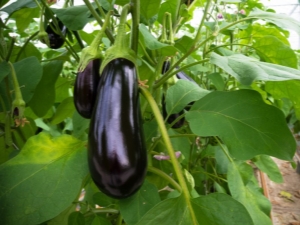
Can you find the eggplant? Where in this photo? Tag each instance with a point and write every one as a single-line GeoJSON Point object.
{"type": "Point", "coordinates": [85, 88]}
{"type": "Point", "coordinates": [117, 155]}
{"type": "Point", "coordinates": [55, 40]}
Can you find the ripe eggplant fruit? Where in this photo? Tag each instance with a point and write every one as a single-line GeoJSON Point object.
{"type": "Point", "coordinates": [55, 40]}
{"type": "Point", "coordinates": [117, 155]}
{"type": "Point", "coordinates": [85, 88]}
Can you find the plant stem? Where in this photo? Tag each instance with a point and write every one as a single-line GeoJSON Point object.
{"type": "Point", "coordinates": [171, 152]}
{"type": "Point", "coordinates": [97, 17]}
{"type": "Point", "coordinates": [119, 220]}
{"type": "Point", "coordinates": [11, 47]}
{"type": "Point", "coordinates": [25, 44]}
{"type": "Point", "coordinates": [98, 39]}
{"type": "Point", "coordinates": [18, 93]}
{"type": "Point", "coordinates": [224, 150]}
{"type": "Point", "coordinates": [78, 38]}
{"type": "Point", "coordinates": [101, 210]}
{"type": "Point", "coordinates": [146, 54]}
{"type": "Point", "coordinates": [120, 38]}
{"type": "Point", "coordinates": [170, 74]}
{"type": "Point", "coordinates": [166, 177]}
{"type": "Point", "coordinates": [135, 13]}
{"type": "Point", "coordinates": [100, 8]}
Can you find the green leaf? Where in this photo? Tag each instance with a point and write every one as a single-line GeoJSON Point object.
{"type": "Point", "coordinates": [80, 125]}
{"type": "Point", "coordinates": [76, 218]}
{"type": "Point", "coordinates": [29, 73]}
{"type": "Point", "coordinates": [4, 70]}
{"type": "Point", "coordinates": [73, 17]}
{"type": "Point", "coordinates": [281, 20]}
{"type": "Point", "coordinates": [24, 17]}
{"type": "Point", "coordinates": [153, 44]}
{"type": "Point", "coordinates": [272, 50]}
{"type": "Point", "coordinates": [63, 217]}
{"type": "Point", "coordinates": [286, 89]}
{"type": "Point", "coordinates": [233, 1]}
{"type": "Point", "coordinates": [170, 211]}
{"type": "Point", "coordinates": [64, 110]}
{"type": "Point", "coordinates": [258, 31]}
{"type": "Point", "coordinates": [102, 199]}
{"type": "Point", "coordinates": [42, 180]}
{"type": "Point", "coordinates": [100, 221]}
{"type": "Point", "coordinates": [268, 166]}
{"type": "Point", "coordinates": [217, 80]}
{"type": "Point", "coordinates": [44, 95]}
{"type": "Point", "coordinates": [29, 51]}
{"type": "Point", "coordinates": [19, 5]}
{"type": "Point", "coordinates": [181, 94]}
{"type": "Point", "coordinates": [249, 195]}
{"type": "Point", "coordinates": [220, 209]}
{"type": "Point", "coordinates": [246, 69]}
{"type": "Point", "coordinates": [184, 44]}
{"type": "Point", "coordinates": [149, 8]}
{"type": "Point", "coordinates": [247, 125]}
{"type": "Point", "coordinates": [134, 207]}
{"type": "Point", "coordinates": [62, 87]}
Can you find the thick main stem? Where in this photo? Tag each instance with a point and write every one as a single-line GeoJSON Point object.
{"type": "Point", "coordinates": [135, 12]}
{"type": "Point", "coordinates": [171, 152]}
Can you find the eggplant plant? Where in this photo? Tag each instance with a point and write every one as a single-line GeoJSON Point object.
{"type": "Point", "coordinates": [144, 112]}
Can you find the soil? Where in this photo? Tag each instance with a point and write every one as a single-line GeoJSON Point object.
{"type": "Point", "coordinates": [285, 197]}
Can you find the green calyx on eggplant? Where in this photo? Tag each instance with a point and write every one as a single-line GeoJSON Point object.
{"type": "Point", "coordinates": [85, 88]}
{"type": "Point", "coordinates": [55, 38]}
{"type": "Point", "coordinates": [117, 155]}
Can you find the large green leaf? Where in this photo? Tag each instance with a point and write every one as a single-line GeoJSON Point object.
{"type": "Point", "coordinates": [149, 8]}
{"type": "Point", "coordinates": [184, 44]}
{"type": "Point", "coordinates": [23, 52]}
{"type": "Point", "coordinates": [181, 94]}
{"type": "Point", "coordinates": [42, 180]}
{"type": "Point", "coordinates": [286, 89]}
{"type": "Point", "coordinates": [74, 17]}
{"type": "Point", "coordinates": [249, 195]}
{"type": "Point", "coordinates": [259, 31]}
{"type": "Point", "coordinates": [220, 209]}
{"type": "Point", "coordinates": [19, 5]}
{"type": "Point", "coordinates": [170, 211]}
{"type": "Point", "coordinates": [272, 50]}
{"type": "Point", "coordinates": [29, 72]}
{"type": "Point", "coordinates": [64, 110]}
{"type": "Point", "coordinates": [153, 44]}
{"type": "Point", "coordinates": [24, 17]}
{"type": "Point", "coordinates": [247, 125]}
{"type": "Point", "coordinates": [133, 208]}
{"type": "Point", "coordinates": [44, 94]}
{"type": "Point", "coordinates": [246, 69]}
{"type": "Point", "coordinates": [282, 20]}
{"type": "Point", "coordinates": [4, 70]}
{"type": "Point", "coordinates": [268, 166]}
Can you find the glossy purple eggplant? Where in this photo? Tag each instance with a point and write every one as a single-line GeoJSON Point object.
{"type": "Point", "coordinates": [117, 155]}
{"type": "Point", "coordinates": [85, 88]}
{"type": "Point", "coordinates": [55, 40]}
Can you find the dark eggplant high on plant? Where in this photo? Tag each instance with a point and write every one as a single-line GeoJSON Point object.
{"type": "Point", "coordinates": [85, 88]}
{"type": "Point", "coordinates": [55, 39]}
{"type": "Point", "coordinates": [117, 154]}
